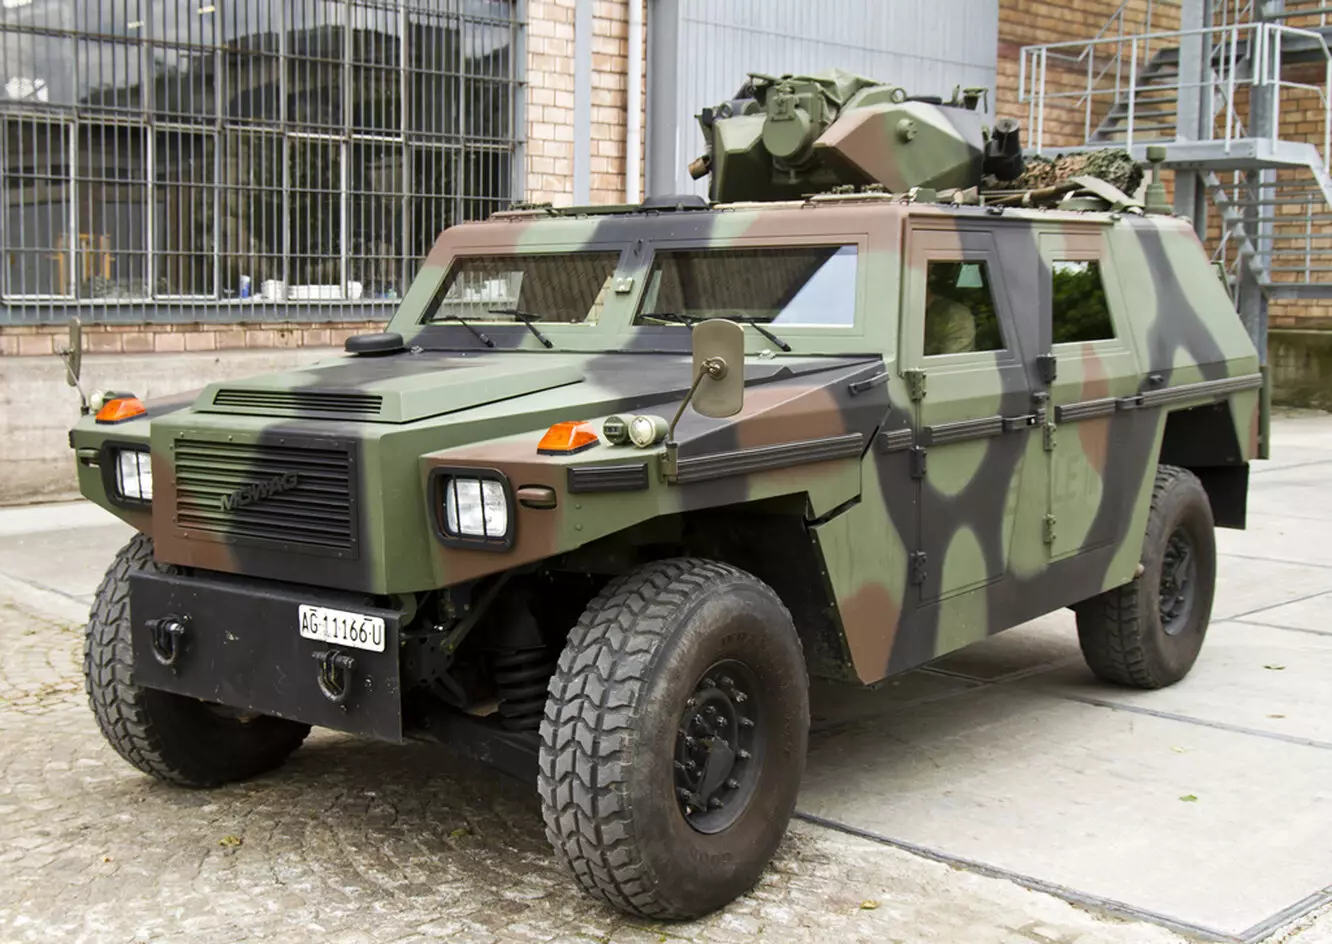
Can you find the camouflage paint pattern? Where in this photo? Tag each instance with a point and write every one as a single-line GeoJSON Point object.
{"type": "Point", "coordinates": [937, 517]}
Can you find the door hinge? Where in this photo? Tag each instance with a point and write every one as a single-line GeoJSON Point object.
{"type": "Point", "coordinates": [1049, 439]}
{"type": "Point", "coordinates": [918, 457]}
{"type": "Point", "coordinates": [915, 381]}
{"type": "Point", "coordinates": [917, 566]}
{"type": "Point", "coordinates": [1049, 533]}
{"type": "Point", "coordinates": [1047, 368]}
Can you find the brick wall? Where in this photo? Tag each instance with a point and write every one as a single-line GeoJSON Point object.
{"type": "Point", "coordinates": [179, 338]}
{"type": "Point", "coordinates": [550, 109]}
{"type": "Point", "coordinates": [1029, 22]}
{"type": "Point", "coordinates": [550, 100]}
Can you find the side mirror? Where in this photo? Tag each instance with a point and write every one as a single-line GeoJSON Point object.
{"type": "Point", "coordinates": [74, 355]}
{"type": "Point", "coordinates": [73, 358]}
{"type": "Point", "coordinates": [719, 367]}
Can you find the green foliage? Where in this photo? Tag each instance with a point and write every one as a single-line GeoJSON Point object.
{"type": "Point", "coordinates": [1078, 304]}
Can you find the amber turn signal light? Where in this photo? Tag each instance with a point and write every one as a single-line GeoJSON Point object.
{"type": "Point", "coordinates": [119, 409]}
{"type": "Point", "coordinates": [566, 438]}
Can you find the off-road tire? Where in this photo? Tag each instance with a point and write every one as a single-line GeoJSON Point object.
{"type": "Point", "coordinates": [173, 738]}
{"type": "Point", "coordinates": [1121, 631]}
{"type": "Point", "coordinates": [608, 738]}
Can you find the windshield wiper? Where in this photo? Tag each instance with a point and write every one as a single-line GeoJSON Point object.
{"type": "Point", "coordinates": [676, 317]}
{"type": "Point", "coordinates": [526, 317]}
{"type": "Point", "coordinates": [480, 336]}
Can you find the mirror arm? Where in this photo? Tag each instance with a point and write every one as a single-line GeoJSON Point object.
{"type": "Point", "coordinates": [68, 359]}
{"type": "Point", "coordinates": [714, 367]}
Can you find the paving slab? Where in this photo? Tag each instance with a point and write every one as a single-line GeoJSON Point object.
{"type": "Point", "coordinates": [1249, 585]}
{"type": "Point", "coordinates": [1249, 677]}
{"type": "Point", "coordinates": [68, 560]}
{"type": "Point", "coordinates": [1311, 614]}
{"type": "Point", "coordinates": [1220, 835]}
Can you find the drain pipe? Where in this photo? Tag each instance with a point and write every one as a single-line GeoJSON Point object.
{"type": "Point", "coordinates": [633, 120]}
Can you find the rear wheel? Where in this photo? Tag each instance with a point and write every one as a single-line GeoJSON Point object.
{"type": "Point", "coordinates": [1148, 633]}
{"type": "Point", "coordinates": [674, 738]}
{"type": "Point", "coordinates": [173, 738]}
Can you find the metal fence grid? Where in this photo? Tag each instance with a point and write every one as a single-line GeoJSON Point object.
{"type": "Point", "coordinates": [241, 160]}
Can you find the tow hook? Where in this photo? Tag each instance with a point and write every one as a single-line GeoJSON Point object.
{"type": "Point", "coordinates": [335, 674]}
{"type": "Point", "coordinates": [165, 635]}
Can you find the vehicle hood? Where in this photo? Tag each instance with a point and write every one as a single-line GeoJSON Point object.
{"type": "Point", "coordinates": [405, 388]}
{"type": "Point", "coordinates": [392, 389]}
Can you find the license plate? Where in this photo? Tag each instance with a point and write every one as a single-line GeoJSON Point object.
{"type": "Point", "coordinates": [342, 628]}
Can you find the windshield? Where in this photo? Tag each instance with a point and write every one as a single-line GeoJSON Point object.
{"type": "Point", "coordinates": [805, 285]}
{"type": "Point", "coordinates": [565, 287]}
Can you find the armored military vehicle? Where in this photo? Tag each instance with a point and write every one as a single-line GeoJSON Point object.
{"type": "Point", "coordinates": [616, 481]}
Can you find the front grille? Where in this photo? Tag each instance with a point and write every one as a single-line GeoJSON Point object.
{"type": "Point", "coordinates": [300, 497]}
{"type": "Point", "coordinates": [302, 402]}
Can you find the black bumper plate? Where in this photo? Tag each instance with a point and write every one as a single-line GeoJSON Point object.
{"type": "Point", "coordinates": [241, 647]}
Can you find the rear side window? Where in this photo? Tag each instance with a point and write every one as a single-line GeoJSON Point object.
{"type": "Point", "coordinates": [959, 309]}
{"type": "Point", "coordinates": [1078, 305]}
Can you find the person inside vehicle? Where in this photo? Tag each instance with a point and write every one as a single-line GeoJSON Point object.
{"type": "Point", "coordinates": [950, 326]}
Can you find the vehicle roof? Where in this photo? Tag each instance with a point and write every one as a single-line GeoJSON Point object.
{"type": "Point", "coordinates": [872, 203]}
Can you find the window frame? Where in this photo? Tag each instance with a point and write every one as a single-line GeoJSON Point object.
{"type": "Point", "coordinates": [436, 299]}
{"type": "Point", "coordinates": [465, 188]}
{"type": "Point", "coordinates": [664, 247]}
{"type": "Point", "coordinates": [926, 244]}
{"type": "Point", "coordinates": [1064, 245]}
{"type": "Point", "coordinates": [1076, 256]}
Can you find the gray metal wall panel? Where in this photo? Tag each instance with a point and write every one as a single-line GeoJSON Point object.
{"type": "Point", "coordinates": [928, 46]}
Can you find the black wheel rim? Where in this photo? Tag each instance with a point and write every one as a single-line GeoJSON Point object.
{"type": "Point", "coordinates": [1179, 571]}
{"type": "Point", "coordinates": [719, 747]}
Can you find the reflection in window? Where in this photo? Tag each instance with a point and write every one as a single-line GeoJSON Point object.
{"type": "Point", "coordinates": [314, 170]}
{"type": "Point", "coordinates": [183, 262]}
{"type": "Point", "coordinates": [35, 227]}
{"type": "Point", "coordinates": [110, 259]}
{"type": "Point", "coordinates": [1078, 307]}
{"type": "Point", "coordinates": [959, 309]}
{"type": "Point", "coordinates": [251, 225]}
{"type": "Point", "coordinates": [558, 287]}
{"type": "Point", "coordinates": [375, 218]}
{"type": "Point", "coordinates": [805, 285]}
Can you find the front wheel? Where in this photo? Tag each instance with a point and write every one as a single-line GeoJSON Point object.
{"type": "Point", "coordinates": [173, 738]}
{"type": "Point", "coordinates": [1148, 633]}
{"type": "Point", "coordinates": [674, 738]}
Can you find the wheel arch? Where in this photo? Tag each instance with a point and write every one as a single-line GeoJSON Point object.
{"type": "Point", "coordinates": [1203, 439]}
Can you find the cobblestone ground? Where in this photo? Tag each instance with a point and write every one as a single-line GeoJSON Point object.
{"type": "Point", "coordinates": [360, 842]}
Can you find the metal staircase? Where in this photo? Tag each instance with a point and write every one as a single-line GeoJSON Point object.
{"type": "Point", "coordinates": [1155, 106]}
{"type": "Point", "coordinates": [1272, 197]}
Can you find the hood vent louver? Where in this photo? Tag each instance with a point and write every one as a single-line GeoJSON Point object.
{"type": "Point", "coordinates": [299, 402]}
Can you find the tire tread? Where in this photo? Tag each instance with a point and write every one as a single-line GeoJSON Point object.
{"type": "Point", "coordinates": [588, 728]}
{"type": "Point", "coordinates": [121, 708]}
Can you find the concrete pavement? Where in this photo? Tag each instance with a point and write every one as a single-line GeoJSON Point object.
{"type": "Point", "coordinates": [999, 795]}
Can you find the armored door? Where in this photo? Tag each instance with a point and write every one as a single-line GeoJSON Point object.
{"type": "Point", "coordinates": [1094, 380]}
{"type": "Point", "coordinates": [966, 375]}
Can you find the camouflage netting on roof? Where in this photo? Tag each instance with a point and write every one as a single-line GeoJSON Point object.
{"type": "Point", "coordinates": [1115, 167]}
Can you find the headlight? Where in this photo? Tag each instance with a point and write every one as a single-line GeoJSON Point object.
{"type": "Point", "coordinates": [647, 430]}
{"type": "Point", "coordinates": [134, 474]}
{"type": "Point", "coordinates": [476, 508]}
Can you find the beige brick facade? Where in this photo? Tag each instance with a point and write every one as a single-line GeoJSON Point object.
{"type": "Point", "coordinates": [550, 108]}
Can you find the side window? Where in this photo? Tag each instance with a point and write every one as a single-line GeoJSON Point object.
{"type": "Point", "coordinates": [959, 309]}
{"type": "Point", "coordinates": [1078, 306]}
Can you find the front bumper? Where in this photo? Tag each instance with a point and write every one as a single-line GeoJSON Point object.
{"type": "Point", "coordinates": [235, 641]}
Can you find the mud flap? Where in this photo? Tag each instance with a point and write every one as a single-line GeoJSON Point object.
{"type": "Point", "coordinates": [236, 642]}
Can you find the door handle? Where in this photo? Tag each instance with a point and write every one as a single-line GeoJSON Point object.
{"type": "Point", "coordinates": [1025, 421]}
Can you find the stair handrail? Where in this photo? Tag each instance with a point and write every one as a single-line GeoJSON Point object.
{"type": "Point", "coordinates": [1264, 48]}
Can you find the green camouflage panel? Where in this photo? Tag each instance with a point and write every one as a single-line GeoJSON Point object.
{"type": "Point", "coordinates": [945, 497]}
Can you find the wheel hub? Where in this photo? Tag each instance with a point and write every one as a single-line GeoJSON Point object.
{"type": "Point", "coordinates": [718, 747]}
{"type": "Point", "coordinates": [1178, 579]}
